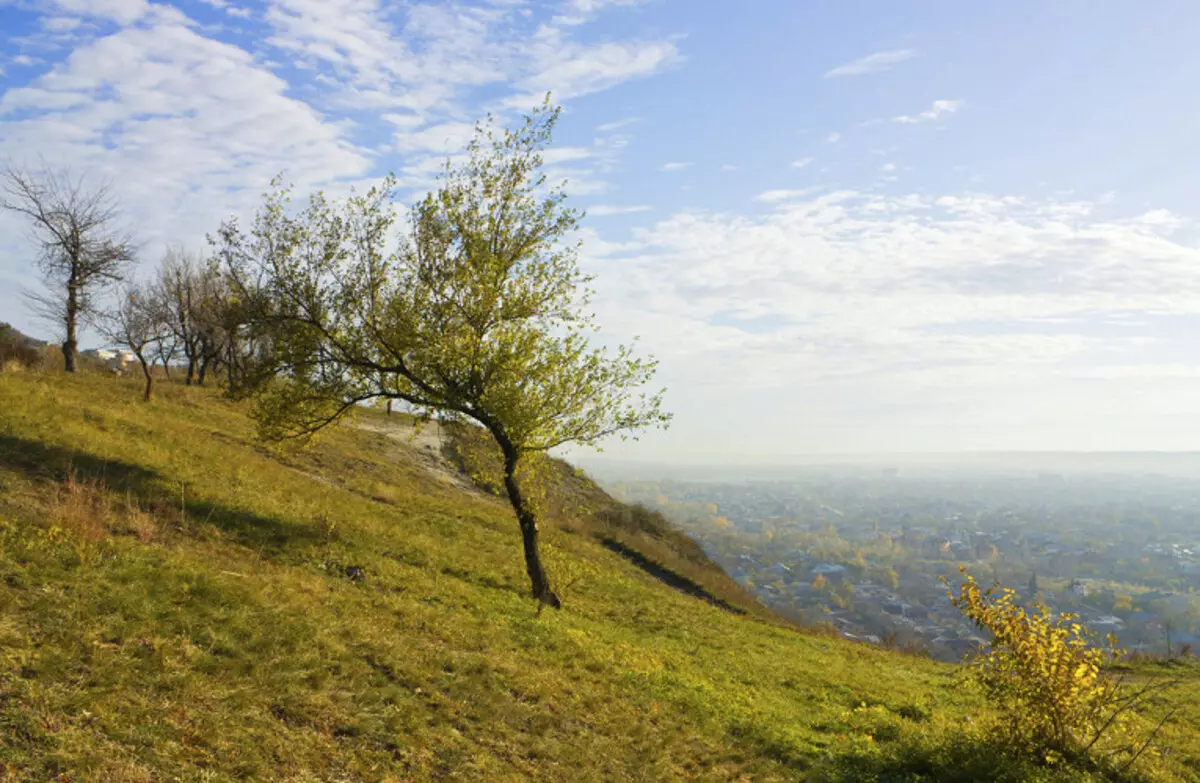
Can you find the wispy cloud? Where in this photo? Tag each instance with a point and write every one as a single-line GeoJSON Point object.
{"type": "Point", "coordinates": [602, 210]}
{"type": "Point", "coordinates": [609, 127]}
{"type": "Point", "coordinates": [802, 163]}
{"type": "Point", "coordinates": [834, 137]}
{"type": "Point", "coordinates": [879, 61]}
{"type": "Point", "coordinates": [938, 109]}
{"type": "Point", "coordinates": [581, 11]}
{"type": "Point", "coordinates": [678, 165]}
{"type": "Point", "coordinates": [773, 196]}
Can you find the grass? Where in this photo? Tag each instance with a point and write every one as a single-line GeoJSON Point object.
{"type": "Point", "coordinates": [181, 602]}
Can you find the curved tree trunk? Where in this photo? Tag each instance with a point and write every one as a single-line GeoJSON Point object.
{"type": "Point", "coordinates": [539, 583]}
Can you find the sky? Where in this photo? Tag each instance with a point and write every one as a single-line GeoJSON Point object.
{"type": "Point", "coordinates": [840, 227]}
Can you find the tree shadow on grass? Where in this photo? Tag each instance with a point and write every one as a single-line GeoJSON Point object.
{"type": "Point", "coordinates": [40, 461]}
{"type": "Point", "coordinates": [666, 575]}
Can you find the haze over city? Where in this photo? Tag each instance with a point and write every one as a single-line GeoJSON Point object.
{"type": "Point", "coordinates": [841, 228]}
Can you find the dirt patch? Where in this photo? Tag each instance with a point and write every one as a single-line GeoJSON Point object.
{"type": "Point", "coordinates": [424, 445]}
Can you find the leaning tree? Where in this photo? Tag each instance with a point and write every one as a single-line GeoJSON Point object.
{"type": "Point", "coordinates": [478, 310]}
{"type": "Point", "coordinates": [81, 249]}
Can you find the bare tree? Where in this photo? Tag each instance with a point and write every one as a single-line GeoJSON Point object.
{"type": "Point", "coordinates": [166, 346]}
{"type": "Point", "coordinates": [181, 292]}
{"type": "Point", "coordinates": [81, 251]}
{"type": "Point", "coordinates": [135, 323]}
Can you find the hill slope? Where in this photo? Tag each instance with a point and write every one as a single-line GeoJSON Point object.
{"type": "Point", "coordinates": [178, 601]}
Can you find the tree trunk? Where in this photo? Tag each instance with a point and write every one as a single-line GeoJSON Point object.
{"type": "Point", "coordinates": [539, 584]}
{"type": "Point", "coordinates": [191, 371]}
{"type": "Point", "coordinates": [229, 374]}
{"type": "Point", "coordinates": [70, 345]}
{"type": "Point", "coordinates": [202, 372]}
{"type": "Point", "coordinates": [149, 378]}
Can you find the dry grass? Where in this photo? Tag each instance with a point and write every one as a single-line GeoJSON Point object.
{"type": "Point", "coordinates": [83, 507]}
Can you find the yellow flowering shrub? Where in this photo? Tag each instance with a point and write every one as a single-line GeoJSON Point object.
{"type": "Point", "coordinates": [1044, 674]}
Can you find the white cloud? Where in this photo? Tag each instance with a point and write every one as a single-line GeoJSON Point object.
{"type": "Point", "coordinates": [189, 129]}
{"type": "Point", "coordinates": [865, 321]}
{"type": "Point", "coordinates": [120, 11]}
{"type": "Point", "coordinates": [833, 138]}
{"type": "Point", "coordinates": [577, 12]}
{"type": "Point", "coordinates": [887, 168]}
{"type": "Point", "coordinates": [60, 24]}
{"type": "Point", "coordinates": [879, 61]}
{"type": "Point", "coordinates": [678, 165]}
{"type": "Point", "coordinates": [802, 163]}
{"type": "Point", "coordinates": [730, 167]}
{"type": "Point", "coordinates": [938, 109]}
{"type": "Point", "coordinates": [23, 60]}
{"type": "Point", "coordinates": [570, 70]}
{"type": "Point", "coordinates": [563, 154]}
{"type": "Point", "coordinates": [771, 196]}
{"type": "Point", "coordinates": [602, 210]}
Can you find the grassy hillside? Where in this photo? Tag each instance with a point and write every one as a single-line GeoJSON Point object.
{"type": "Point", "coordinates": [178, 601]}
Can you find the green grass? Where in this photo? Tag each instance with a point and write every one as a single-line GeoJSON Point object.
{"type": "Point", "coordinates": [174, 604]}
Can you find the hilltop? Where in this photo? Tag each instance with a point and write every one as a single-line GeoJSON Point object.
{"type": "Point", "coordinates": [180, 601]}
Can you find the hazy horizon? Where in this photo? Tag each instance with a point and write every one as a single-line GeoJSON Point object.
{"type": "Point", "coordinates": [841, 228]}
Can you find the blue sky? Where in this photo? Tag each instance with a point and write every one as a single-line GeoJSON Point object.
{"type": "Point", "coordinates": [840, 226]}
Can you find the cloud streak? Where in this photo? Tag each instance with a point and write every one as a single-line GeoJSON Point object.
{"type": "Point", "coordinates": [938, 109]}
{"type": "Point", "coordinates": [872, 63]}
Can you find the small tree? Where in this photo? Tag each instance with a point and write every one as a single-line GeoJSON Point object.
{"type": "Point", "coordinates": [478, 314]}
{"type": "Point", "coordinates": [80, 250]}
{"type": "Point", "coordinates": [136, 323]}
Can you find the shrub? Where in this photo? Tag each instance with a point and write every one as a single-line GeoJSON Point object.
{"type": "Point", "coordinates": [16, 352]}
{"type": "Point", "coordinates": [1049, 682]}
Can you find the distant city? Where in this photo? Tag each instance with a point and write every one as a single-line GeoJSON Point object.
{"type": "Point", "coordinates": [864, 550]}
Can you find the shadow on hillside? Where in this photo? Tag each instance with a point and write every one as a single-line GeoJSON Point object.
{"type": "Point", "coordinates": [38, 460]}
{"type": "Point", "coordinates": [666, 575]}
{"type": "Point", "coordinates": [957, 759]}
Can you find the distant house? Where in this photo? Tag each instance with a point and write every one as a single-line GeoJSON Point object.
{"type": "Point", "coordinates": [114, 361]}
{"type": "Point", "coordinates": [966, 646]}
{"type": "Point", "coordinates": [893, 607]}
{"type": "Point", "coordinates": [916, 612]}
{"type": "Point", "coordinates": [1106, 624]}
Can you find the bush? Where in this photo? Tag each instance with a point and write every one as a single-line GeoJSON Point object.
{"type": "Point", "coordinates": [16, 350]}
{"type": "Point", "coordinates": [1048, 681]}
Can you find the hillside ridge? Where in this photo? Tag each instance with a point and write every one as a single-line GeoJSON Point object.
{"type": "Point", "coordinates": [181, 601]}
